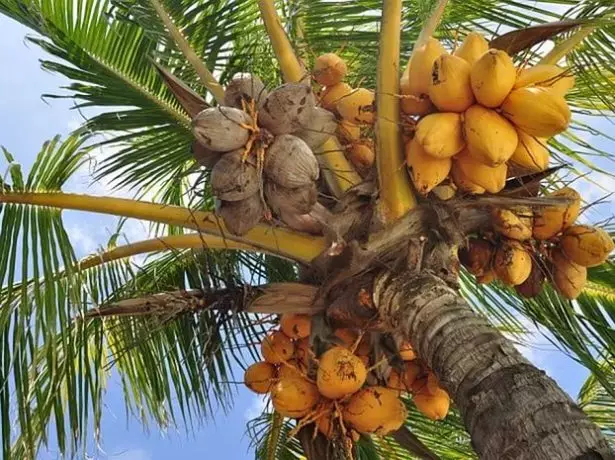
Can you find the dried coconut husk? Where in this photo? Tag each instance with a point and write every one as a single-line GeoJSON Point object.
{"type": "Point", "coordinates": [298, 200]}
{"type": "Point", "coordinates": [233, 179]}
{"type": "Point", "coordinates": [288, 108]}
{"type": "Point", "coordinates": [321, 127]}
{"type": "Point", "coordinates": [290, 162]}
{"type": "Point", "coordinates": [244, 87]}
{"type": "Point", "coordinates": [219, 128]}
{"type": "Point", "coordinates": [241, 216]}
{"type": "Point", "coordinates": [204, 156]}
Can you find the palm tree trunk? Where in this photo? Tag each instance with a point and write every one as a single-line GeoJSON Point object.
{"type": "Point", "coordinates": [511, 409]}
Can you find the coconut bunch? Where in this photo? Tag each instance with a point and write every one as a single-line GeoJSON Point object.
{"type": "Point", "coordinates": [260, 156]}
{"type": "Point", "coordinates": [480, 118]}
{"type": "Point", "coordinates": [338, 391]}
{"type": "Point", "coordinates": [528, 248]}
{"type": "Point", "coordinates": [353, 109]}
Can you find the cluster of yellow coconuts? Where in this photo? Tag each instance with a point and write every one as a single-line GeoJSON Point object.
{"type": "Point", "coordinates": [338, 391]}
{"type": "Point", "coordinates": [480, 115]}
{"type": "Point", "coordinates": [527, 247]}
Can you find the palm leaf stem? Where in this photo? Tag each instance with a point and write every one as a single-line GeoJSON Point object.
{"type": "Point", "coordinates": [562, 49]}
{"type": "Point", "coordinates": [432, 23]}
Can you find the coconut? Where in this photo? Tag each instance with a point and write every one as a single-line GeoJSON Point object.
{"type": "Point", "coordinates": [333, 94]}
{"type": "Point", "coordinates": [321, 127]}
{"type": "Point", "coordinates": [241, 216]}
{"type": "Point", "coordinates": [450, 89]}
{"type": "Point", "coordinates": [303, 355]}
{"type": "Point", "coordinates": [587, 246]}
{"type": "Point", "coordinates": [296, 326]}
{"type": "Point", "coordinates": [326, 424]}
{"type": "Point", "coordinates": [294, 397]}
{"type": "Point", "coordinates": [414, 104]}
{"type": "Point", "coordinates": [531, 153]}
{"type": "Point", "coordinates": [375, 410]}
{"type": "Point", "coordinates": [277, 348]}
{"type": "Point", "coordinates": [445, 192]}
{"type": "Point", "coordinates": [547, 76]}
{"type": "Point", "coordinates": [508, 224]}
{"type": "Point", "coordinates": [403, 381]}
{"type": "Point", "coordinates": [489, 277]}
{"type": "Point", "coordinates": [358, 106]}
{"type": "Point", "coordinates": [426, 171]}
{"type": "Point", "coordinates": [512, 263]}
{"type": "Point", "coordinates": [441, 134]}
{"type": "Point", "coordinates": [477, 256]}
{"type": "Point", "coordinates": [532, 286]}
{"type": "Point", "coordinates": [433, 406]}
{"type": "Point", "coordinates": [568, 278]}
{"type": "Point", "coordinates": [290, 162]}
{"type": "Point", "coordinates": [260, 377]}
{"type": "Point", "coordinates": [244, 87]}
{"type": "Point", "coordinates": [329, 69]}
{"type": "Point", "coordinates": [362, 155]}
{"type": "Point", "coordinates": [299, 200]}
{"type": "Point", "coordinates": [417, 78]}
{"type": "Point", "coordinates": [220, 128]}
{"type": "Point", "coordinates": [493, 77]}
{"type": "Point", "coordinates": [406, 352]}
{"type": "Point", "coordinates": [491, 179]}
{"type": "Point", "coordinates": [348, 131]}
{"type": "Point", "coordinates": [538, 111]}
{"type": "Point", "coordinates": [233, 179]}
{"type": "Point", "coordinates": [551, 220]}
{"type": "Point", "coordinates": [204, 156]}
{"type": "Point", "coordinates": [463, 182]}
{"type": "Point", "coordinates": [472, 48]}
{"type": "Point", "coordinates": [491, 138]}
{"type": "Point", "coordinates": [290, 369]}
{"type": "Point", "coordinates": [348, 338]}
{"type": "Point", "coordinates": [287, 109]}
{"type": "Point", "coordinates": [340, 373]}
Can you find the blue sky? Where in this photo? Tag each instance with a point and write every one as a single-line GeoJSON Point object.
{"type": "Point", "coordinates": [26, 122]}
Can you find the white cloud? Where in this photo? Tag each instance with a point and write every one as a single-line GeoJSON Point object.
{"type": "Point", "coordinates": [256, 408]}
{"type": "Point", "coordinates": [81, 239]}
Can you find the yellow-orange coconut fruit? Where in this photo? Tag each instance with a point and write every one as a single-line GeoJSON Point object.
{"type": "Point", "coordinates": [327, 424]}
{"type": "Point", "coordinates": [537, 111]}
{"type": "Point", "coordinates": [406, 352]}
{"type": "Point", "coordinates": [512, 263]}
{"type": "Point", "coordinates": [277, 347]}
{"type": "Point", "coordinates": [340, 373]}
{"type": "Point", "coordinates": [488, 277]}
{"type": "Point", "coordinates": [547, 76]}
{"type": "Point", "coordinates": [260, 377]}
{"type": "Point", "coordinates": [587, 246]}
{"type": "Point", "coordinates": [348, 131]}
{"type": "Point", "coordinates": [296, 326]}
{"type": "Point", "coordinates": [348, 339]}
{"type": "Point", "coordinates": [441, 134]}
{"type": "Point", "coordinates": [477, 256]}
{"type": "Point", "coordinates": [331, 95]}
{"type": "Point", "coordinates": [493, 77]}
{"type": "Point", "coordinates": [491, 138]}
{"type": "Point", "coordinates": [472, 48]}
{"type": "Point", "coordinates": [362, 155]}
{"type": "Point", "coordinates": [551, 220]}
{"type": "Point", "coordinates": [426, 171]}
{"type": "Point", "coordinates": [531, 153]}
{"type": "Point", "coordinates": [569, 278]}
{"type": "Point", "coordinates": [403, 381]}
{"type": "Point", "coordinates": [375, 410]}
{"type": "Point", "coordinates": [358, 106]}
{"type": "Point", "coordinates": [329, 69]}
{"type": "Point", "coordinates": [433, 406]}
{"type": "Point", "coordinates": [303, 354]}
{"type": "Point", "coordinates": [508, 224]}
{"type": "Point", "coordinates": [420, 66]}
{"type": "Point", "coordinates": [492, 179]}
{"type": "Point", "coordinates": [291, 368]}
{"type": "Point", "coordinates": [462, 182]}
{"type": "Point", "coordinates": [450, 89]}
{"type": "Point", "coordinates": [294, 397]}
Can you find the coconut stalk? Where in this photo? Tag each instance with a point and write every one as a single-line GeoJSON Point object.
{"type": "Point", "coordinates": [396, 196]}
{"type": "Point", "coordinates": [338, 172]}
{"type": "Point", "coordinates": [432, 23]}
{"type": "Point", "coordinates": [283, 242]}
{"type": "Point", "coordinates": [562, 49]}
{"type": "Point", "coordinates": [206, 77]}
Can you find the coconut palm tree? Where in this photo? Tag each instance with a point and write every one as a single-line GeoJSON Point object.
{"type": "Point", "coordinates": [177, 329]}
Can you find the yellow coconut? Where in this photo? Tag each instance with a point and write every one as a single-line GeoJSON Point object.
{"type": "Point", "coordinates": [296, 326]}
{"type": "Point", "coordinates": [450, 89]}
{"type": "Point", "coordinates": [362, 155]}
{"type": "Point", "coordinates": [375, 410]}
{"type": "Point", "coordinates": [358, 106]}
{"type": "Point", "coordinates": [462, 182]}
{"type": "Point", "coordinates": [277, 347]}
{"type": "Point", "coordinates": [537, 111]}
{"type": "Point", "coordinates": [426, 171]}
{"type": "Point", "coordinates": [348, 131]}
{"type": "Point", "coordinates": [472, 48]}
{"type": "Point", "coordinates": [327, 424]}
{"type": "Point", "coordinates": [329, 69]}
{"type": "Point", "coordinates": [547, 76]}
{"type": "Point", "coordinates": [568, 278]}
{"type": "Point", "coordinates": [477, 256]}
{"type": "Point", "coordinates": [340, 373]}
{"type": "Point", "coordinates": [532, 286]}
{"type": "Point", "coordinates": [491, 139]}
{"type": "Point", "coordinates": [433, 384]}
{"type": "Point", "coordinates": [414, 104]}
{"type": "Point", "coordinates": [441, 134]}
{"type": "Point", "coordinates": [333, 94]}
{"type": "Point", "coordinates": [260, 377]}
{"type": "Point", "coordinates": [406, 352]}
{"type": "Point", "coordinates": [419, 70]}
{"type": "Point", "coordinates": [404, 380]}
{"type": "Point", "coordinates": [531, 153]}
{"type": "Point", "coordinates": [488, 277]}
{"type": "Point", "coordinates": [508, 224]}
{"type": "Point", "coordinates": [551, 220]}
{"type": "Point", "coordinates": [294, 397]}
{"type": "Point", "coordinates": [493, 77]}
{"type": "Point", "coordinates": [587, 246]}
{"type": "Point", "coordinates": [348, 339]}
{"type": "Point", "coordinates": [512, 263]}
{"type": "Point", "coordinates": [303, 354]}
{"type": "Point", "coordinates": [445, 192]}
{"type": "Point", "coordinates": [491, 179]}
{"type": "Point", "coordinates": [433, 406]}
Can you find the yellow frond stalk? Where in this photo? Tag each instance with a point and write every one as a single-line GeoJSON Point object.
{"type": "Point", "coordinates": [432, 23]}
{"type": "Point", "coordinates": [562, 49]}
{"type": "Point", "coordinates": [396, 196]}
{"type": "Point", "coordinates": [280, 241]}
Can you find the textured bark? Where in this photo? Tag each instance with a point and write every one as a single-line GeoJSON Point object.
{"type": "Point", "coordinates": [511, 409]}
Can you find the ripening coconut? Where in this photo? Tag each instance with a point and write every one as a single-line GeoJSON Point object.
{"type": "Point", "coordinates": [426, 171]}
{"type": "Point", "coordinates": [477, 256]}
{"type": "Point", "coordinates": [441, 134]}
{"type": "Point", "coordinates": [233, 179]}
{"type": "Point", "coordinates": [294, 397]}
{"type": "Point", "coordinates": [512, 263]}
{"type": "Point", "coordinates": [493, 77]}
{"type": "Point", "coordinates": [348, 338]}
{"type": "Point", "coordinates": [320, 127]}
{"type": "Point", "coordinates": [417, 78]}
{"type": "Point", "coordinates": [260, 377]}
{"type": "Point", "coordinates": [287, 109]}
{"type": "Point", "coordinates": [204, 156]}
{"type": "Point", "coordinates": [358, 106]}
{"type": "Point", "coordinates": [220, 128]}
{"type": "Point", "coordinates": [241, 216]}
{"type": "Point", "coordinates": [491, 179]}
{"type": "Point", "coordinates": [329, 69]}
{"type": "Point", "coordinates": [508, 224]}
{"type": "Point", "coordinates": [491, 138]}
{"type": "Point", "coordinates": [547, 76]}
{"type": "Point", "coordinates": [244, 87]}
{"type": "Point", "coordinates": [472, 48]}
{"type": "Point", "coordinates": [348, 131]}
{"type": "Point", "coordinates": [489, 277]}
{"type": "Point", "coordinates": [331, 95]}
{"type": "Point", "coordinates": [568, 278]}
{"type": "Point", "coordinates": [362, 155]}
{"type": "Point", "coordinates": [433, 406]}
{"type": "Point", "coordinates": [290, 162]}
{"type": "Point", "coordinates": [296, 326]}
{"type": "Point", "coordinates": [340, 373]}
{"type": "Point", "coordinates": [551, 220]}
{"type": "Point", "coordinates": [531, 153]}
{"type": "Point", "coordinates": [289, 369]}
{"type": "Point", "coordinates": [532, 286]}
{"type": "Point", "coordinates": [587, 246]}
{"type": "Point", "coordinates": [283, 200]}
{"type": "Point", "coordinates": [450, 89]}
{"type": "Point", "coordinates": [405, 380]}
{"type": "Point", "coordinates": [303, 355]}
{"type": "Point", "coordinates": [375, 410]}
{"type": "Point", "coordinates": [406, 352]}
{"type": "Point", "coordinates": [277, 348]}
{"type": "Point", "coordinates": [464, 183]}
{"type": "Point", "coordinates": [327, 424]}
